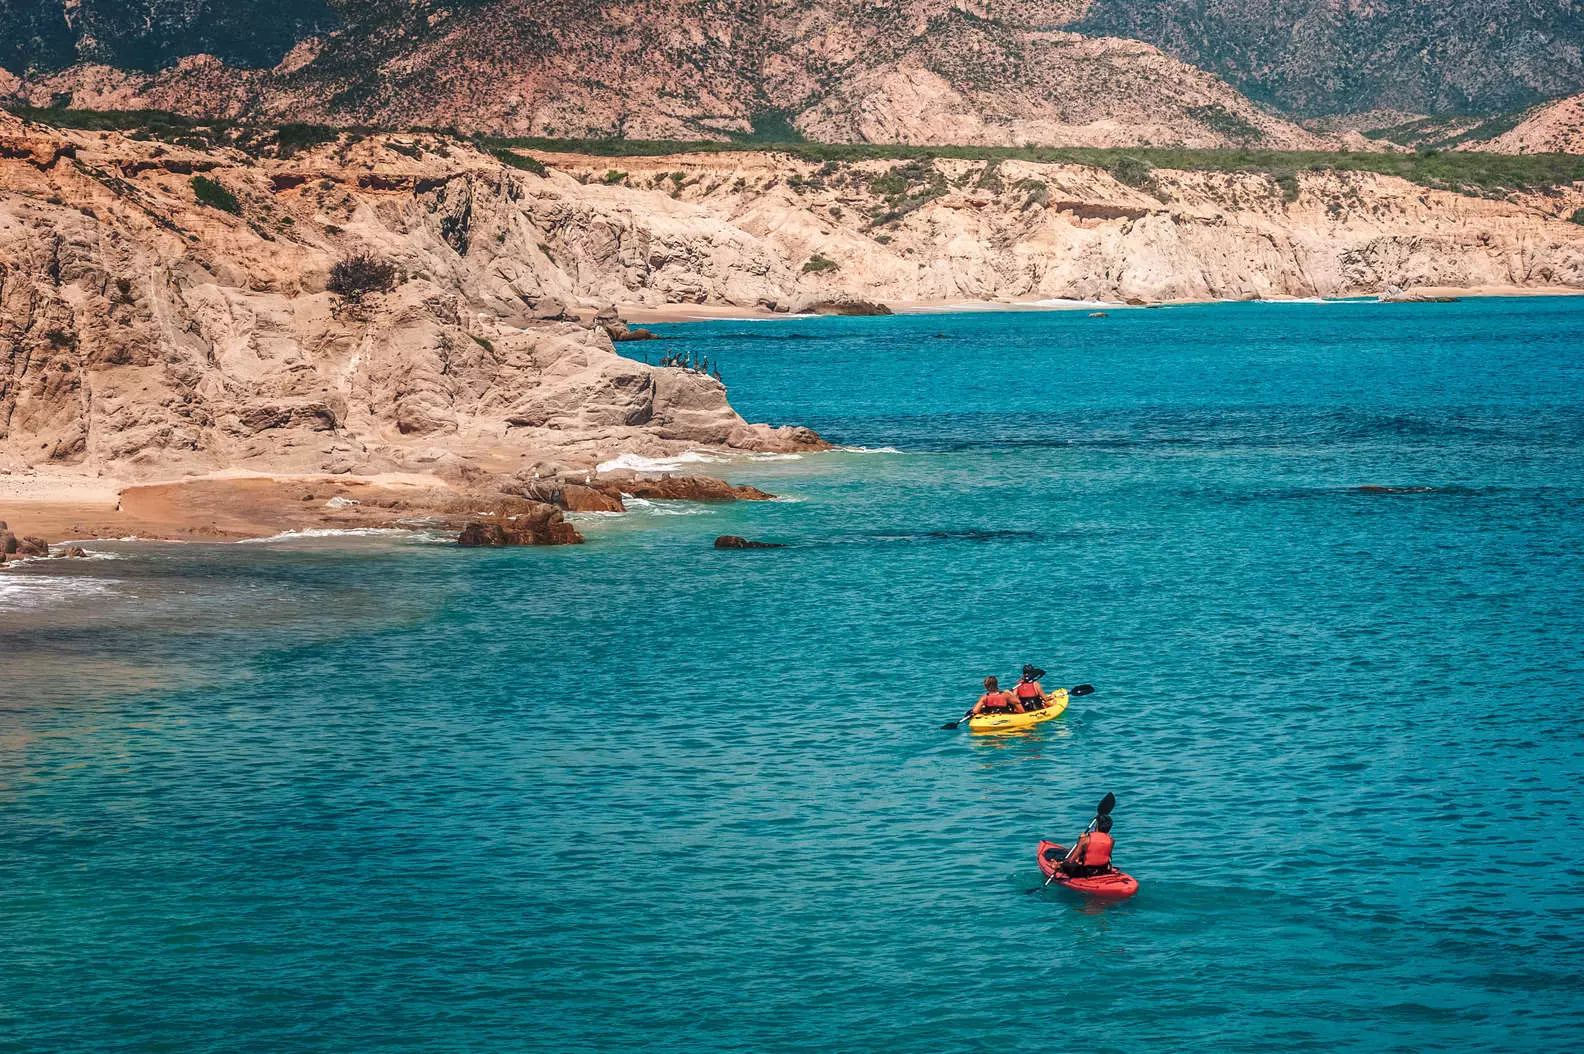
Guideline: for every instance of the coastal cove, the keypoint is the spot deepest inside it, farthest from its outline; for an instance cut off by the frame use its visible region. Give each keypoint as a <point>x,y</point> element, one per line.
<point>1321,560</point>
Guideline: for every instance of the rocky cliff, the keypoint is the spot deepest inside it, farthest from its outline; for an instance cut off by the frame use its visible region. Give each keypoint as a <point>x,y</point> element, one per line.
<point>165,307</point>
<point>144,333</point>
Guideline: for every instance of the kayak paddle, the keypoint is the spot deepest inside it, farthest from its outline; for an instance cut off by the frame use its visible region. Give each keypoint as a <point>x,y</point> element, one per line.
<point>1075,691</point>
<point>1103,809</point>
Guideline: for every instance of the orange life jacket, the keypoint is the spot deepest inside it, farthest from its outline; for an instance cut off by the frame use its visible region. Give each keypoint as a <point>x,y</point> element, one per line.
<point>994,699</point>
<point>1027,690</point>
<point>1097,850</point>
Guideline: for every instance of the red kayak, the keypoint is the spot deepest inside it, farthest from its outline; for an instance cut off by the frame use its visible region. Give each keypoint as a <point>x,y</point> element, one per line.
<point>1111,884</point>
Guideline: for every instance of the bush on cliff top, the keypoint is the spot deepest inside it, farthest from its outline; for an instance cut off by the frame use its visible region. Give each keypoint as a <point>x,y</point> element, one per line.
<point>358,275</point>
<point>522,161</point>
<point>215,196</point>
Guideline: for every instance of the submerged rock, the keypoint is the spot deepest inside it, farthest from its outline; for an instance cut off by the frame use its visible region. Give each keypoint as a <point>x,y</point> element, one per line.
<point>33,547</point>
<point>732,541</point>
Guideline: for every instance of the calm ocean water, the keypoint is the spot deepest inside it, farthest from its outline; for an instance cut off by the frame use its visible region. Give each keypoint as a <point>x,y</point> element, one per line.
<point>381,794</point>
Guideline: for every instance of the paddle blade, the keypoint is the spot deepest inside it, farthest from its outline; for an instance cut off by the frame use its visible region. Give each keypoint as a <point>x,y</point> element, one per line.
<point>950,726</point>
<point>1106,805</point>
<point>1082,689</point>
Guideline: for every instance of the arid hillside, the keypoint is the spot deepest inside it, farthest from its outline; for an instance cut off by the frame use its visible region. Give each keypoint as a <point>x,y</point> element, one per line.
<point>922,71</point>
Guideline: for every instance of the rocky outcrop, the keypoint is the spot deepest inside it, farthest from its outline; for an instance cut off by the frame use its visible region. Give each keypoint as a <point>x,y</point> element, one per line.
<point>529,523</point>
<point>733,541</point>
<point>143,332</point>
<point>851,306</point>
<point>680,488</point>
<point>30,546</point>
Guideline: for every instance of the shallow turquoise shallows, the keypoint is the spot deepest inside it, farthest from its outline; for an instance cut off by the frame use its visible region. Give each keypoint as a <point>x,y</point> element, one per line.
<point>1323,562</point>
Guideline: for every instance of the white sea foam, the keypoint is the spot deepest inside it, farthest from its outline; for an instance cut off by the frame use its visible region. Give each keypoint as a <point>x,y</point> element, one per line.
<point>666,508</point>
<point>776,318</point>
<point>31,591</point>
<point>331,532</point>
<point>675,463</point>
<point>867,450</point>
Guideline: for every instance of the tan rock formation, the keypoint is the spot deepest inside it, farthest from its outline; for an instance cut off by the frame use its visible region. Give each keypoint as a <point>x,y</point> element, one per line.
<point>1555,128</point>
<point>142,333</point>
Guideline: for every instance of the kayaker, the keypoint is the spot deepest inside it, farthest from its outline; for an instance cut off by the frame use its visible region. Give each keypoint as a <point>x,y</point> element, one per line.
<point>995,701</point>
<point>1092,855</point>
<point>1029,691</point>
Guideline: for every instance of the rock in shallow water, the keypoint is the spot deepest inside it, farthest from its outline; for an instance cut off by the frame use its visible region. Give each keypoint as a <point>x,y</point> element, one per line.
<point>732,541</point>
<point>540,525</point>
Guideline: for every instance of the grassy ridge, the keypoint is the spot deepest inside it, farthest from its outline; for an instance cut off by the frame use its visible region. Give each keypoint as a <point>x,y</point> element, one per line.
<point>1465,171</point>
<point>1480,174</point>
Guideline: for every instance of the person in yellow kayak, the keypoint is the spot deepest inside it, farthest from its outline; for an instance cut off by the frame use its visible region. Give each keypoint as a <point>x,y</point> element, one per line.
<point>995,701</point>
<point>1092,855</point>
<point>1030,693</point>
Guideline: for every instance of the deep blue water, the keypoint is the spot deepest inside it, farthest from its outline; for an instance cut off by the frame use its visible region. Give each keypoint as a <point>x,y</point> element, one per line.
<point>388,795</point>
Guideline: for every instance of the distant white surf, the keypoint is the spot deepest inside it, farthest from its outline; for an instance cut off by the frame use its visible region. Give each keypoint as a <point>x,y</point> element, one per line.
<point>676,463</point>
<point>341,532</point>
<point>1066,303</point>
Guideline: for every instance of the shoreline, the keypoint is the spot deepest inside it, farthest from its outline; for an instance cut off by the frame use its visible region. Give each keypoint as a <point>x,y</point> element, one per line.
<point>248,505</point>
<point>660,314</point>
<point>238,504</point>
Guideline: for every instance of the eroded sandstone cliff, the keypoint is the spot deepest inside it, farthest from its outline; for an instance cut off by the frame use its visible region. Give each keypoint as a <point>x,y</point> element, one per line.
<point>144,334</point>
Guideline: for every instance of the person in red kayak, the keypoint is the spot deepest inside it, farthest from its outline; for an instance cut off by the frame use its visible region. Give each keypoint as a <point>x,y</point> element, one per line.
<point>995,701</point>
<point>1092,855</point>
<point>1030,693</point>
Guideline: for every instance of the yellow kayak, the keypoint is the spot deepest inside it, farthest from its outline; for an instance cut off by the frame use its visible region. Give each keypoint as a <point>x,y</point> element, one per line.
<point>1055,706</point>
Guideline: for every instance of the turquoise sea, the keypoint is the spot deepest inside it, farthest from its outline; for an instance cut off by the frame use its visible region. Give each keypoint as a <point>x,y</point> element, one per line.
<point>383,794</point>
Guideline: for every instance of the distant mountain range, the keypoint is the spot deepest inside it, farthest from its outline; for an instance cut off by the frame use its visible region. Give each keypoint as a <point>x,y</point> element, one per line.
<point>972,71</point>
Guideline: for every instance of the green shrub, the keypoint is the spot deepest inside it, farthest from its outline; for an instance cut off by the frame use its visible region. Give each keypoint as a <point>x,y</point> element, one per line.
<point>356,276</point>
<point>1134,171</point>
<point>613,176</point>
<point>1577,217</point>
<point>1223,121</point>
<point>215,196</point>
<point>818,264</point>
<point>522,161</point>
<point>291,139</point>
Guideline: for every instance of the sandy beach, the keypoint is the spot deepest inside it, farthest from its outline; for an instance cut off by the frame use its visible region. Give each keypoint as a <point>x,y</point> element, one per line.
<point>644,314</point>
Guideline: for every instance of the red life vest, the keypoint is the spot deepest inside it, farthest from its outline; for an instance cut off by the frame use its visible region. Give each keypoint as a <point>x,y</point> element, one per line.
<point>997,699</point>
<point>1097,851</point>
<point>1027,690</point>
